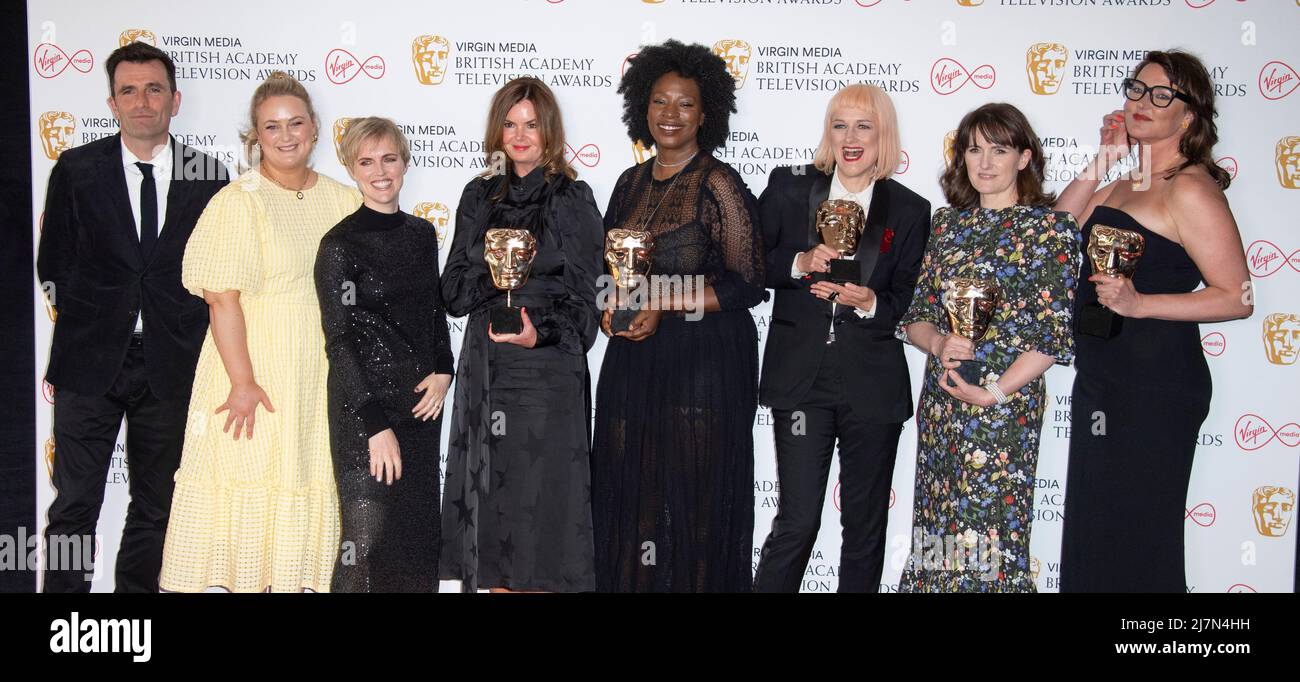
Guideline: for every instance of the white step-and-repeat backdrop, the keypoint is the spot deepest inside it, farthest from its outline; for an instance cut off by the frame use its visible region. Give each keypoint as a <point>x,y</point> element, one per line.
<point>434,66</point>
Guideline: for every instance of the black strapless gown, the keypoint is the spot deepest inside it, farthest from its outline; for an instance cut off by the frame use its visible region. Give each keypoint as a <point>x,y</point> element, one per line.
<point>1138,403</point>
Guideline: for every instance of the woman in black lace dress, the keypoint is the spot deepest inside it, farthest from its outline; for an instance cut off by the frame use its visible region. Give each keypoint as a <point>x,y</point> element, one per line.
<point>390,364</point>
<point>517,513</point>
<point>673,458</point>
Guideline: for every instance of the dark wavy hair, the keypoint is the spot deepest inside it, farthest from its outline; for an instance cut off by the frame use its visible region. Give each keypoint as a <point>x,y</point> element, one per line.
<point>999,123</point>
<point>1188,75</point>
<point>694,61</point>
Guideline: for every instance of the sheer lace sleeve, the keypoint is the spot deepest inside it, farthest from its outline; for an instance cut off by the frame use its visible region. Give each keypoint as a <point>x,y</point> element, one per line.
<point>730,214</point>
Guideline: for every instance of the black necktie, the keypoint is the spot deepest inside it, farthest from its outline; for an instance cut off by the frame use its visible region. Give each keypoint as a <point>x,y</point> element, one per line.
<point>148,209</point>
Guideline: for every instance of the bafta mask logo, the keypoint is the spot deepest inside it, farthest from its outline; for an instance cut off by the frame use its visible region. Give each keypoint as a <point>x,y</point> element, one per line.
<point>1288,161</point>
<point>641,153</point>
<point>1045,66</point>
<point>57,128</point>
<point>969,3</point>
<point>1035,567</point>
<point>736,54</point>
<point>1282,338</point>
<point>949,140</point>
<point>132,35</point>
<point>840,224</point>
<point>1115,252</point>
<point>340,129</point>
<point>509,254</point>
<point>436,213</point>
<point>49,457</point>
<point>628,254</point>
<point>1273,507</point>
<point>429,55</point>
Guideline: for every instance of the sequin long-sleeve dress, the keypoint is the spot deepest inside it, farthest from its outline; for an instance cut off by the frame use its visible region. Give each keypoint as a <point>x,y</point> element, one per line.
<point>517,508</point>
<point>673,457</point>
<point>385,331</point>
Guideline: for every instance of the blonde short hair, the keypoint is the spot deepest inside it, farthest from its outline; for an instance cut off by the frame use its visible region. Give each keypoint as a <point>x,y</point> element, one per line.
<point>874,100</point>
<point>362,130</point>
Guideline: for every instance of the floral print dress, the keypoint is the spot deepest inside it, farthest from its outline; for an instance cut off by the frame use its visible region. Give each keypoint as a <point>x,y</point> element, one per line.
<point>975,466</point>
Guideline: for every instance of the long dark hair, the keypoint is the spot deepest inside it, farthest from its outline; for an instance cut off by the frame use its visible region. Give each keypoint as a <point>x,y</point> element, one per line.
<point>1188,75</point>
<point>999,123</point>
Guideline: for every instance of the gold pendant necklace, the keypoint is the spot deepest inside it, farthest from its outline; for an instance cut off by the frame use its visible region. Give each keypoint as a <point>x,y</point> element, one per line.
<point>297,192</point>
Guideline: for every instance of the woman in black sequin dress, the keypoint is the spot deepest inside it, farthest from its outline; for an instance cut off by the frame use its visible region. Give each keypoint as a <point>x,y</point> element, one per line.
<point>517,514</point>
<point>390,365</point>
<point>673,460</point>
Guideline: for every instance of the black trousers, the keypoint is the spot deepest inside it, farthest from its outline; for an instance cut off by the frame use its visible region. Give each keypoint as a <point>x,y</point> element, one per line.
<point>85,431</point>
<point>805,439</point>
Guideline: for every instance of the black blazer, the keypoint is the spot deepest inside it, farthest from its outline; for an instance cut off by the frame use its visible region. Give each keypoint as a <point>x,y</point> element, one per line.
<point>877,375</point>
<point>98,279</point>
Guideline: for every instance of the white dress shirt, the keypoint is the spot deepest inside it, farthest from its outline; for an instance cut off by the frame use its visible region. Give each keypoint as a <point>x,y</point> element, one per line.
<point>162,179</point>
<point>862,199</point>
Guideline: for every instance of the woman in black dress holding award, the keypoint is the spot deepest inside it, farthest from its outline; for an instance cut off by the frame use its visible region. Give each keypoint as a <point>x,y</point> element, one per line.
<point>517,506</point>
<point>390,365</point>
<point>673,459</point>
<point>1140,395</point>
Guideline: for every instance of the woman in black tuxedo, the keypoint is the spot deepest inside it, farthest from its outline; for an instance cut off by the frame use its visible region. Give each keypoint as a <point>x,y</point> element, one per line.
<point>832,368</point>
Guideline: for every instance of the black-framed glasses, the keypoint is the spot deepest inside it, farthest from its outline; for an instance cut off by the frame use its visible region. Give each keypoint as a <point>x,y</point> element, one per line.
<point>1161,96</point>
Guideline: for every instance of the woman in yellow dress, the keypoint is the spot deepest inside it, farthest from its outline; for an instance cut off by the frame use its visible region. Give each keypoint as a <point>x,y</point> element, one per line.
<point>258,510</point>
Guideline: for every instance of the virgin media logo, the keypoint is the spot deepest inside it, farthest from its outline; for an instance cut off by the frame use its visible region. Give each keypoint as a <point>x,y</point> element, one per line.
<point>1198,4</point>
<point>342,66</point>
<point>1241,588</point>
<point>1229,164</point>
<point>1277,80</point>
<point>50,60</point>
<point>587,155</point>
<point>1214,344</point>
<point>1253,432</point>
<point>47,392</point>
<point>1265,258</point>
<point>904,162</point>
<point>1202,515</point>
<point>947,76</point>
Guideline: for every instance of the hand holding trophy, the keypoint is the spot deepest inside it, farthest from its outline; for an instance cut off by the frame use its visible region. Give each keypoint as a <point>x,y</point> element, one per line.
<point>509,254</point>
<point>970,303</point>
<point>628,254</point>
<point>1113,252</point>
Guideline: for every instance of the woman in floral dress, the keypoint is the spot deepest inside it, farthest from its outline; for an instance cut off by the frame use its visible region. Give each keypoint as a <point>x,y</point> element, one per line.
<point>977,445</point>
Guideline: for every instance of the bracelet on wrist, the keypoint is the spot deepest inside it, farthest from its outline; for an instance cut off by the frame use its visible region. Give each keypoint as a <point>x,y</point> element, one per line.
<point>996,391</point>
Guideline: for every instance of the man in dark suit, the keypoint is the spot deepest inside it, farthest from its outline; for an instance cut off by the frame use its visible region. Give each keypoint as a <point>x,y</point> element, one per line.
<point>850,384</point>
<point>118,212</point>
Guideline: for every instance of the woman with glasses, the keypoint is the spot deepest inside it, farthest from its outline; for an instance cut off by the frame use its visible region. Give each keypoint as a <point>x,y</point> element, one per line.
<point>1142,387</point>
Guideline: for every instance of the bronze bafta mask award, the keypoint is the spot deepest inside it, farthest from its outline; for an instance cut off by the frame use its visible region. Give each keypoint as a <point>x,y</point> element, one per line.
<point>1113,252</point>
<point>628,254</point>
<point>840,224</point>
<point>509,255</point>
<point>970,303</point>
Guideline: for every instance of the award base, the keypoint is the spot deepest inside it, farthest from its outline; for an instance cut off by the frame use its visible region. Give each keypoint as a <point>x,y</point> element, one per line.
<point>506,320</point>
<point>1099,321</point>
<point>845,271</point>
<point>621,320</point>
<point>970,371</point>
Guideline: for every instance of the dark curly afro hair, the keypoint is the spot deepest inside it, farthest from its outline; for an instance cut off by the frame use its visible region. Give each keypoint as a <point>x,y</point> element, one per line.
<point>696,62</point>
